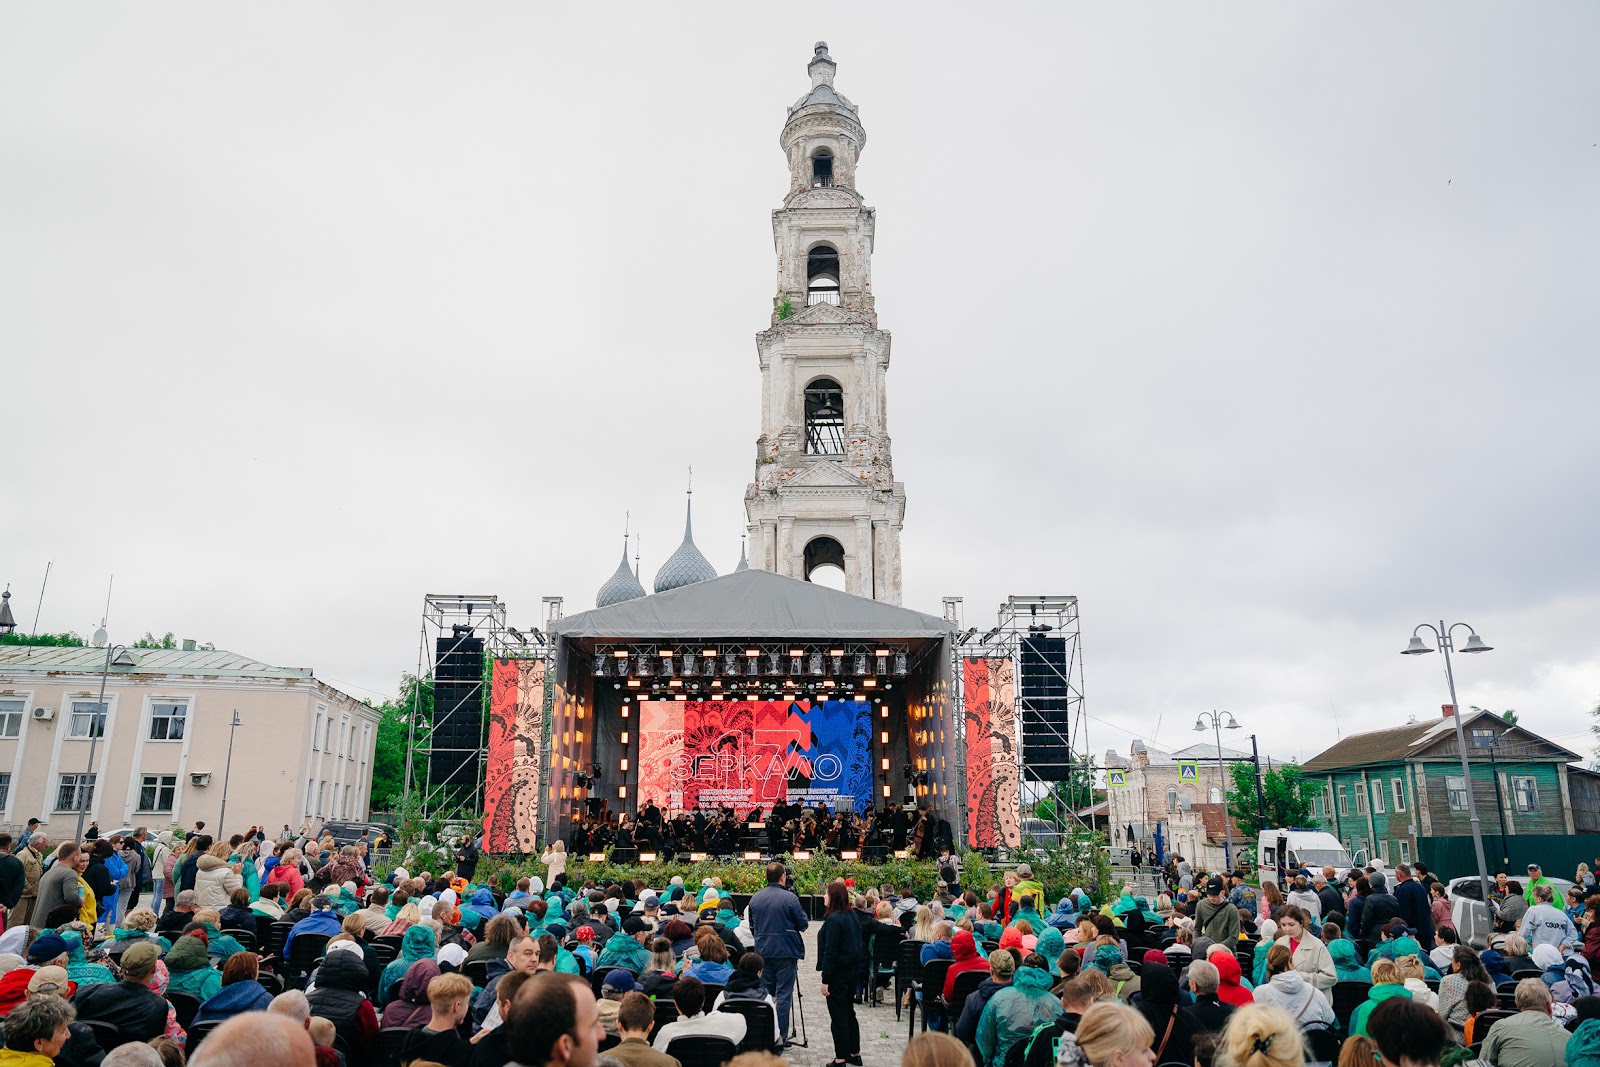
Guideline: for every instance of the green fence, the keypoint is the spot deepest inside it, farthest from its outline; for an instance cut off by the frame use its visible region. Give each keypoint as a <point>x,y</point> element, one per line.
<point>1558,854</point>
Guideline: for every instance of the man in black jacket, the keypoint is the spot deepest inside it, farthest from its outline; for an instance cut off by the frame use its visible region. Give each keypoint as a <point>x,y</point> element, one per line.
<point>1412,897</point>
<point>1208,1014</point>
<point>1376,910</point>
<point>1327,895</point>
<point>137,1011</point>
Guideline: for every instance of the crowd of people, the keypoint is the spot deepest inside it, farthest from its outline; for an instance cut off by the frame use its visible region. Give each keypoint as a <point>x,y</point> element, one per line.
<point>1356,968</point>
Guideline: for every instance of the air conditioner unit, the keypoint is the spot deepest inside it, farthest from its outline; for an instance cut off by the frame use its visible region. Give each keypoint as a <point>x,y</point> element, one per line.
<point>201,778</point>
<point>44,714</point>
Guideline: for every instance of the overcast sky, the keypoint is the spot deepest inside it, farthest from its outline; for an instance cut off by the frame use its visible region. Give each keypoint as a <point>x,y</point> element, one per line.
<point>1269,330</point>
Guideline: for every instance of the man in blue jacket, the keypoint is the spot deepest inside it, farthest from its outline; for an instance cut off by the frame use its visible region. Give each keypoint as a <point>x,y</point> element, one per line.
<point>777,918</point>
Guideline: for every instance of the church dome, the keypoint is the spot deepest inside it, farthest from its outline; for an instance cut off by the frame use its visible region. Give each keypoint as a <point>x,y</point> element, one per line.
<point>623,585</point>
<point>685,566</point>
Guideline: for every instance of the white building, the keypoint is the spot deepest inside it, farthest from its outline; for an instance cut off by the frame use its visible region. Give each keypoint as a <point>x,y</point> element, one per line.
<point>302,749</point>
<point>824,492</point>
<point>1156,796</point>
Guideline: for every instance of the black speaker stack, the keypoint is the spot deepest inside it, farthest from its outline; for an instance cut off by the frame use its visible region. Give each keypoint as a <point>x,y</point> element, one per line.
<point>1045,707</point>
<point>458,715</point>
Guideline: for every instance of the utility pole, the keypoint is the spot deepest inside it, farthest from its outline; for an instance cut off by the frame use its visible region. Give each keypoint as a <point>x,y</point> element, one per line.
<point>1261,797</point>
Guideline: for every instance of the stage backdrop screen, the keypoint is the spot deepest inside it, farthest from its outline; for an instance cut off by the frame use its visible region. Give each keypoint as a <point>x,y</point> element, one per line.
<point>741,754</point>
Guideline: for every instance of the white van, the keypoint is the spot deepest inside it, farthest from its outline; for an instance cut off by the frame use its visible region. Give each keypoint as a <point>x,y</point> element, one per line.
<point>1291,848</point>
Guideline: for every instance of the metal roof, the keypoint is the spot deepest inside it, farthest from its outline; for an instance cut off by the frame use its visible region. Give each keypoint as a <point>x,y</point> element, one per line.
<point>1414,739</point>
<point>218,663</point>
<point>623,585</point>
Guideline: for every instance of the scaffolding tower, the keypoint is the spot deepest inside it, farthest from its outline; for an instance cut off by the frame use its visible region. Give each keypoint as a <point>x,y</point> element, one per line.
<point>1020,618</point>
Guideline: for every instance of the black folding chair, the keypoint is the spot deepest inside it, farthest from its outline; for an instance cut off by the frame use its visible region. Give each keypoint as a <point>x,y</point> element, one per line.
<point>246,938</point>
<point>1526,972</point>
<point>277,934</point>
<point>477,971</point>
<point>391,1043</point>
<point>108,1035</point>
<point>1322,1043</point>
<point>967,983</point>
<point>713,989</point>
<point>885,951</point>
<point>185,1007</point>
<point>1347,997</point>
<point>666,1012</point>
<point>270,982</point>
<point>597,978</point>
<point>1487,1019</point>
<point>760,1024</point>
<point>702,1051</point>
<point>907,971</point>
<point>305,952</point>
<point>385,952</point>
<point>929,988</point>
<point>197,1033</point>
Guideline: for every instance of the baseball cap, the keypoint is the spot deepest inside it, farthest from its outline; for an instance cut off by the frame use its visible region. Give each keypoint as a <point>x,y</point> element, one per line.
<point>621,981</point>
<point>1024,870</point>
<point>49,980</point>
<point>1534,867</point>
<point>1213,885</point>
<point>138,960</point>
<point>632,925</point>
<point>47,947</point>
<point>1002,963</point>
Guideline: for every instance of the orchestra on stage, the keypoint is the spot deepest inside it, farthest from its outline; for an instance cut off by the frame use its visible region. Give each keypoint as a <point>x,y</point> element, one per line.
<point>788,828</point>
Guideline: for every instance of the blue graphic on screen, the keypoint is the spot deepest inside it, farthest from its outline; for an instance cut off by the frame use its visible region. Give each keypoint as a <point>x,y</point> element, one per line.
<point>840,755</point>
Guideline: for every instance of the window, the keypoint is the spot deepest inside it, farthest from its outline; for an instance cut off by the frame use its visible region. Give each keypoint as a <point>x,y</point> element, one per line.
<point>822,276</point>
<point>156,792</point>
<point>166,724</point>
<point>1172,799</point>
<point>1405,851</point>
<point>88,720</point>
<point>327,739</point>
<point>74,791</point>
<point>11,712</point>
<point>366,737</point>
<point>322,796</point>
<point>350,744</point>
<point>821,168</point>
<point>824,418</point>
<point>1526,791</point>
<point>5,788</point>
<point>346,802</point>
<point>1377,796</point>
<point>1457,788</point>
<point>1383,851</point>
<point>1344,800</point>
<point>316,732</point>
<point>309,786</point>
<point>1215,796</point>
<point>1361,800</point>
<point>1483,737</point>
<point>1399,785</point>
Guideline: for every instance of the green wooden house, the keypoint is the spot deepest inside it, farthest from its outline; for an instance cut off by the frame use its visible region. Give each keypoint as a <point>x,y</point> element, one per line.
<point>1390,791</point>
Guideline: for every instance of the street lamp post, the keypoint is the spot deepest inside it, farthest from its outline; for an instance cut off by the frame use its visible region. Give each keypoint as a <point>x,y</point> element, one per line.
<point>1217,726</point>
<point>1474,644</point>
<point>119,655</point>
<point>227,773</point>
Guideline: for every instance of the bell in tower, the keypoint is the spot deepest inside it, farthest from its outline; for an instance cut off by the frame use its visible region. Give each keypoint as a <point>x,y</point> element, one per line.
<point>824,493</point>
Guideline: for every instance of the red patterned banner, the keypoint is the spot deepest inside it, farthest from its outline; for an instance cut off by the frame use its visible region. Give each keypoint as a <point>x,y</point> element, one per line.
<point>988,695</point>
<point>511,776</point>
<point>980,782</point>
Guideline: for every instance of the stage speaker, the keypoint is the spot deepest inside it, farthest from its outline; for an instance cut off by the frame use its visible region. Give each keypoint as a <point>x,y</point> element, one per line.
<point>458,714</point>
<point>1044,702</point>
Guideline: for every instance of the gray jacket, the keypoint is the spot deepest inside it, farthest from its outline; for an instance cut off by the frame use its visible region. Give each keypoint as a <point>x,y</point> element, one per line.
<point>57,886</point>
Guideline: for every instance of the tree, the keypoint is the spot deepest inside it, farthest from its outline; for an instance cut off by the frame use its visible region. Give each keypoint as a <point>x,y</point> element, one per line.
<point>66,640</point>
<point>1284,789</point>
<point>1509,715</point>
<point>389,747</point>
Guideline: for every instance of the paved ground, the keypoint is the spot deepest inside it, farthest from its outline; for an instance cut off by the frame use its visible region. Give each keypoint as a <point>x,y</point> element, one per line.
<point>882,1039</point>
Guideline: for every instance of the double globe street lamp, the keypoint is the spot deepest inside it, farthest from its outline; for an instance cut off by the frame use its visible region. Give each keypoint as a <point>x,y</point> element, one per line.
<point>1218,724</point>
<point>1473,644</point>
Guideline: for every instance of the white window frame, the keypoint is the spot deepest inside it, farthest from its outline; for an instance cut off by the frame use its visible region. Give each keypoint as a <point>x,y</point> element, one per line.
<point>347,801</point>
<point>1376,789</point>
<point>103,715</point>
<point>5,789</point>
<point>310,787</point>
<point>183,730</point>
<point>316,732</point>
<point>1456,787</point>
<point>1383,851</point>
<point>158,782</point>
<point>1525,786</point>
<point>79,782</point>
<point>1398,790</point>
<point>322,796</point>
<point>1405,850</point>
<point>13,710</point>
<point>1361,799</point>
<point>1343,796</point>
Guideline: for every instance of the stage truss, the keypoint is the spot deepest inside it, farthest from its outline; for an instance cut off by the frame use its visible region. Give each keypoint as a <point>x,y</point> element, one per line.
<point>1019,618</point>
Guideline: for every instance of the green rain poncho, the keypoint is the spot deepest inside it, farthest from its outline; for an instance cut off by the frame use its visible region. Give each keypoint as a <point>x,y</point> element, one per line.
<point>419,943</point>
<point>191,971</point>
<point>1013,1012</point>
<point>1583,1047</point>
<point>1345,966</point>
<point>79,969</point>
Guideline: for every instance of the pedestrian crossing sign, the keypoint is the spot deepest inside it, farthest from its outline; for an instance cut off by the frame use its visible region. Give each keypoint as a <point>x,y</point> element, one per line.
<point>1188,771</point>
<point>1116,779</point>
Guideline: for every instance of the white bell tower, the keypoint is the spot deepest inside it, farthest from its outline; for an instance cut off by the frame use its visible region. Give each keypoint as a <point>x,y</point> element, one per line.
<point>824,490</point>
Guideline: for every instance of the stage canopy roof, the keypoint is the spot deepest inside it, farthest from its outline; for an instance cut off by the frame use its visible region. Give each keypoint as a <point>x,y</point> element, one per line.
<point>753,605</point>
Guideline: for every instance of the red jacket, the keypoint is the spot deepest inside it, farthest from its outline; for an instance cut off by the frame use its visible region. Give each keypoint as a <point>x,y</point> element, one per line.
<point>965,951</point>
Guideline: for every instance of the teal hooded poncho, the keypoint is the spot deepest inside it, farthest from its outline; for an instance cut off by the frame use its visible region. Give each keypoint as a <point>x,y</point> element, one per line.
<point>1051,945</point>
<point>1345,966</point>
<point>419,943</point>
<point>1583,1047</point>
<point>1013,1013</point>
